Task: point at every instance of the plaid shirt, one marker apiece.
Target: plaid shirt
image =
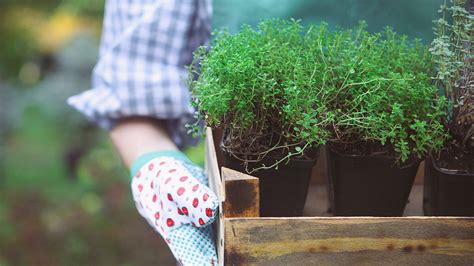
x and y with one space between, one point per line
141 68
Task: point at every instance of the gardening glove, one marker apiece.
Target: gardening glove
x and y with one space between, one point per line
171 193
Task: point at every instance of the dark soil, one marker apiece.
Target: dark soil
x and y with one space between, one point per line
361 148
456 159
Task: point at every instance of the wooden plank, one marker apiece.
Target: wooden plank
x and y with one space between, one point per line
211 166
217 137
242 194
216 184
350 240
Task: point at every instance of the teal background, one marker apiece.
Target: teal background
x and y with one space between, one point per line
411 17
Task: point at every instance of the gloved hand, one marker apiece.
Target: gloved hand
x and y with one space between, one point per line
171 193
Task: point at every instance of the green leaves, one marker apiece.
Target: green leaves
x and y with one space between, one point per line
285 86
379 92
453 67
258 83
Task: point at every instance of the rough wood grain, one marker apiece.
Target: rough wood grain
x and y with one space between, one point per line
215 183
242 194
217 137
211 166
349 241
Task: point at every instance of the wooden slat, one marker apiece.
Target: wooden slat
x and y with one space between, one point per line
349 240
216 184
212 168
217 137
242 194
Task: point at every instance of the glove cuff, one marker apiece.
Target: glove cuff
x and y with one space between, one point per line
145 158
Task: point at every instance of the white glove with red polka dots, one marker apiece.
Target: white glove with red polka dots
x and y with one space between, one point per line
171 193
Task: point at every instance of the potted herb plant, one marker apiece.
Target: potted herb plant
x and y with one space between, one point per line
384 114
449 175
258 87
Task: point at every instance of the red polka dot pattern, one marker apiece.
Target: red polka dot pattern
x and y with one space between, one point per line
172 196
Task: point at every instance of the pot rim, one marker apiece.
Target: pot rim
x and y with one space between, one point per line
412 163
271 159
435 166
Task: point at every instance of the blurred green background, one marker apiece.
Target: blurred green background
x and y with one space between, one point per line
64 197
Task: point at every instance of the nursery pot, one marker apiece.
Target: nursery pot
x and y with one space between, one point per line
282 191
447 193
368 185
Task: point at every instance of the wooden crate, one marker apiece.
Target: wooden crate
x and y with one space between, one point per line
243 238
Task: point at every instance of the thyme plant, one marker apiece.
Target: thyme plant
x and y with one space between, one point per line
452 50
259 86
283 88
379 93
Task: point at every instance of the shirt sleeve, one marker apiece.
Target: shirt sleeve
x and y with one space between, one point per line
141 71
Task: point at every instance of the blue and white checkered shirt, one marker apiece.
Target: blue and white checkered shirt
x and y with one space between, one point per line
145 47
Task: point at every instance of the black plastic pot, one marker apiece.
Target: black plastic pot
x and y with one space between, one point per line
282 191
446 193
368 185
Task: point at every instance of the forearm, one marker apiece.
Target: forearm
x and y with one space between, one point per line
136 136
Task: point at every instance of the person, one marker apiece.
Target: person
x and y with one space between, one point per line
139 96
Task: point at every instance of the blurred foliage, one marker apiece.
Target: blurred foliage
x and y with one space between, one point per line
32 29
18 45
